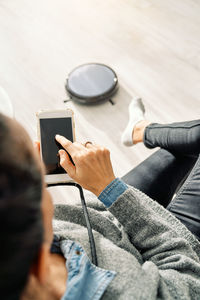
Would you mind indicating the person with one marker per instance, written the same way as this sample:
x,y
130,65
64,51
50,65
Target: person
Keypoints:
x,y
143,250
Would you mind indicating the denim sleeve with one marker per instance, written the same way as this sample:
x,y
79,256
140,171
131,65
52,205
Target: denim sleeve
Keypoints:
x,y
112,192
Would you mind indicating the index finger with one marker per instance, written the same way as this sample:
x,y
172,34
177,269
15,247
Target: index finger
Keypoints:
x,y
67,144
63,141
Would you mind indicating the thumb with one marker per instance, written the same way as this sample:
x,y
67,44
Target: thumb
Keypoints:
x,y
66,163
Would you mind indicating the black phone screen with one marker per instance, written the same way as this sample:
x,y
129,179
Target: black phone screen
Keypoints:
x,y
48,129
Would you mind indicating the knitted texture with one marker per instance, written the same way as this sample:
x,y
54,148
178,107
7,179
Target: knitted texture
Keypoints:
x,y
154,255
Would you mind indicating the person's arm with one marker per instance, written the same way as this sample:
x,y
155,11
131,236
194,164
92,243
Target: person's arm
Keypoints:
x,y
170,263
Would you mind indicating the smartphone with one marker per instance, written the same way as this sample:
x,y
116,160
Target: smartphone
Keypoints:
x,y
50,123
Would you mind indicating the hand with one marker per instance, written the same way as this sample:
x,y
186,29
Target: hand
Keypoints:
x,y
92,169
37,147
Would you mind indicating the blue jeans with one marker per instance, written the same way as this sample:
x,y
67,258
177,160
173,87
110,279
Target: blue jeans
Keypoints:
x,y
173,169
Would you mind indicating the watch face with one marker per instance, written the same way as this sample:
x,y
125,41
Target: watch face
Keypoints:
x,y
91,81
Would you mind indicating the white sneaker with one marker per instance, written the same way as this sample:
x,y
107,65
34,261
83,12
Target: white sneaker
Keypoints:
x,y
6,106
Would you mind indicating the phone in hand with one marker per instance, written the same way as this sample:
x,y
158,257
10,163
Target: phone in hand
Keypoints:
x,y
50,123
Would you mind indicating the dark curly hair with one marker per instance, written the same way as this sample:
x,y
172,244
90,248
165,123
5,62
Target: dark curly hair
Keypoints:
x,y
21,229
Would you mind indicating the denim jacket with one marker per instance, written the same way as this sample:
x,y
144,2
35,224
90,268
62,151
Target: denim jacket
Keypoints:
x,y
85,281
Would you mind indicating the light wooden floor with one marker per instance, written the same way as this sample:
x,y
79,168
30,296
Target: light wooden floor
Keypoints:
x,y
154,46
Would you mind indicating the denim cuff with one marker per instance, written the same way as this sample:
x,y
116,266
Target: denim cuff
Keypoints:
x,y
112,192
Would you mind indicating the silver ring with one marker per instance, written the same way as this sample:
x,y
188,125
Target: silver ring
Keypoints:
x,y
88,142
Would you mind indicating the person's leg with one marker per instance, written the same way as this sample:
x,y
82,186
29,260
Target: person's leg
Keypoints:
x,y
186,205
182,138
160,175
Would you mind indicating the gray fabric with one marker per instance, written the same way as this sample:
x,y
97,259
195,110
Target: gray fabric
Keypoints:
x,y
154,255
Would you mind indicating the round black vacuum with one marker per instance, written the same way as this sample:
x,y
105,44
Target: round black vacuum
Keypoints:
x,y
91,83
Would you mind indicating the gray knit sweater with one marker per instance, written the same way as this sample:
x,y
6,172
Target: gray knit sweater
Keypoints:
x,y
154,255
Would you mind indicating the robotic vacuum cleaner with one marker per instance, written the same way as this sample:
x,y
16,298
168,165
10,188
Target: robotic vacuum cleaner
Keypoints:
x,y
91,83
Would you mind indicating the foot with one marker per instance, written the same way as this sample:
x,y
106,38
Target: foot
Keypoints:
x,y
136,115
138,131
